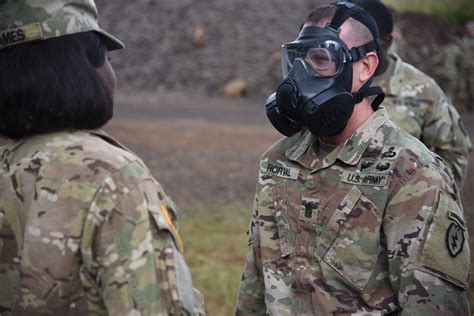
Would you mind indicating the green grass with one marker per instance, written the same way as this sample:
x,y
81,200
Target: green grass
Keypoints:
x,y
215,244
454,11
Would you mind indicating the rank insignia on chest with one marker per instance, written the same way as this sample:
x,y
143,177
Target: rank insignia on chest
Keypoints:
x,y
455,237
309,209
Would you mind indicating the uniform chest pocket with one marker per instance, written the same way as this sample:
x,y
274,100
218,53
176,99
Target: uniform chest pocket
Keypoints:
x,y
350,242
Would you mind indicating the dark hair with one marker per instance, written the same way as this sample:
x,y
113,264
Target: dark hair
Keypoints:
x,y
53,85
321,13
381,14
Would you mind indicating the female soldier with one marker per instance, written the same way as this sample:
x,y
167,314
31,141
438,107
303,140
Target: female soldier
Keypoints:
x,y
84,227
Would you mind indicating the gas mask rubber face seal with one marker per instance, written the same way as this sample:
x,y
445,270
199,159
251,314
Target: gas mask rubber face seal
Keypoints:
x,y
316,90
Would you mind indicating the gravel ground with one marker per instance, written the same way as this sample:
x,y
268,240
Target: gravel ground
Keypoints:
x,y
239,38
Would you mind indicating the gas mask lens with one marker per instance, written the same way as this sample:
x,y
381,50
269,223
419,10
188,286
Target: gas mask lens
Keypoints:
x,y
321,60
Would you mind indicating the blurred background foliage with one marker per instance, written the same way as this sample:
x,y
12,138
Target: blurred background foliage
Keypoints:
x,y
457,12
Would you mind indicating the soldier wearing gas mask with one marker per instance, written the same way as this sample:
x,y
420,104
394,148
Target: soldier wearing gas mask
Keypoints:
x,y
351,214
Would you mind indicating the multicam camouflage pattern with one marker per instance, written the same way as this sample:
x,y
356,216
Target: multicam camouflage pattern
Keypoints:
x,y
29,20
86,229
418,105
368,230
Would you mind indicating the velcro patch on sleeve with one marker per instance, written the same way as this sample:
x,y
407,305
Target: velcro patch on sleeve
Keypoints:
x,y
446,251
21,34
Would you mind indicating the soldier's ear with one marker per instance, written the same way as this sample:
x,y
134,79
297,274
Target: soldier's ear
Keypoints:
x,y
369,64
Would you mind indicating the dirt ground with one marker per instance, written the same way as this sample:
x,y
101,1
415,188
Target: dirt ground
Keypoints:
x,y
205,150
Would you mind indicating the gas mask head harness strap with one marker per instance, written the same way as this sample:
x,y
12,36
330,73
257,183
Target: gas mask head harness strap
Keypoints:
x,y
317,66
347,10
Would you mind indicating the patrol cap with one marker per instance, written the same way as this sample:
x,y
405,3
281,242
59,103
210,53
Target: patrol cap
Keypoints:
x,y
23,21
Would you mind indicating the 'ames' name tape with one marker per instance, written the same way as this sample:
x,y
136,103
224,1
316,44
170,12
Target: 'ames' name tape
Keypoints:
x,y
22,34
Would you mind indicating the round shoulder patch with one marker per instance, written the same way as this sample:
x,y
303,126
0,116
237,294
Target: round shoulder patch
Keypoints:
x,y
455,238
446,252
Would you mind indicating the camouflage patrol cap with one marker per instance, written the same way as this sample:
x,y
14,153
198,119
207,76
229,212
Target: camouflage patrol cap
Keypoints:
x,y
23,21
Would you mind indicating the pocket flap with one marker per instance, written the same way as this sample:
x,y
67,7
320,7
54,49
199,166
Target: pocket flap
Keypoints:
x,y
162,218
336,221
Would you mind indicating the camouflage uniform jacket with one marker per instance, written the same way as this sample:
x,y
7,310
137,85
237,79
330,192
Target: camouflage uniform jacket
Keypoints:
x,y
362,231
418,105
86,229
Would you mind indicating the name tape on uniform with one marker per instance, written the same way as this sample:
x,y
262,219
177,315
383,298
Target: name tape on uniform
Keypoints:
x,y
279,170
371,179
21,34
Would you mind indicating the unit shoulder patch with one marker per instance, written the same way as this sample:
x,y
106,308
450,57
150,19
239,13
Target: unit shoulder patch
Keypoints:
x,y
455,237
445,254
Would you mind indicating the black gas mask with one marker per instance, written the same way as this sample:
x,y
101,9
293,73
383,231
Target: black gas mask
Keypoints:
x,y
317,69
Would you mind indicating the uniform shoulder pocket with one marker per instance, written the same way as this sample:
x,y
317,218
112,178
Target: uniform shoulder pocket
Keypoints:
x,y
446,251
175,277
165,215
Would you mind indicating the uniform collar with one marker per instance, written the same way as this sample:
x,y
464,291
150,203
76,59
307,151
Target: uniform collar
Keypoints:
x,y
348,152
106,137
302,151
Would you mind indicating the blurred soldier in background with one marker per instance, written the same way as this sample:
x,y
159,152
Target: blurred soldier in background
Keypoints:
x,y
467,67
416,103
84,227
352,215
